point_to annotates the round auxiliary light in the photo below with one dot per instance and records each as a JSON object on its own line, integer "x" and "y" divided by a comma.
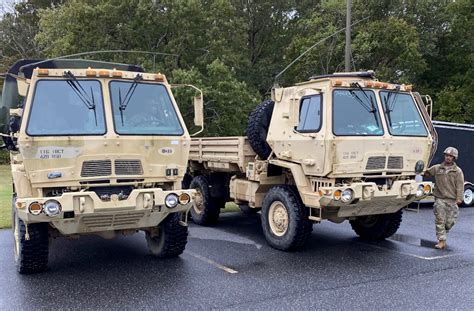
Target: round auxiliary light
{"x": 347, "y": 195}
{"x": 52, "y": 208}
{"x": 35, "y": 208}
{"x": 171, "y": 200}
{"x": 184, "y": 198}
{"x": 420, "y": 191}
{"x": 427, "y": 189}
{"x": 337, "y": 195}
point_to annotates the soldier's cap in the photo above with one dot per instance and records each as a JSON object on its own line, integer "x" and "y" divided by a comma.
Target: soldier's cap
{"x": 451, "y": 151}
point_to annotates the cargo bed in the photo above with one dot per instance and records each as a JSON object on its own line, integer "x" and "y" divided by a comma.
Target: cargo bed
{"x": 225, "y": 154}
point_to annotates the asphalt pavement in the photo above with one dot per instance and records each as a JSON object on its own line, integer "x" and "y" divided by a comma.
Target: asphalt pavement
{"x": 230, "y": 266}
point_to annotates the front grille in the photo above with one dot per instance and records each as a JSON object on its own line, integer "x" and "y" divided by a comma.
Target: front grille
{"x": 128, "y": 167}
{"x": 96, "y": 168}
{"x": 101, "y": 222}
{"x": 395, "y": 163}
{"x": 376, "y": 163}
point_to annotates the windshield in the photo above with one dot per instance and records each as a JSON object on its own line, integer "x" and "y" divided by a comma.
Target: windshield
{"x": 355, "y": 112}
{"x": 403, "y": 119}
{"x": 147, "y": 110}
{"x": 57, "y": 109}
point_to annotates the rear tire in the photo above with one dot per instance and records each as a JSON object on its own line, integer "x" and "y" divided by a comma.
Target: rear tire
{"x": 206, "y": 209}
{"x": 377, "y": 227}
{"x": 171, "y": 238}
{"x": 284, "y": 219}
{"x": 468, "y": 197}
{"x": 257, "y": 128}
{"x": 31, "y": 256}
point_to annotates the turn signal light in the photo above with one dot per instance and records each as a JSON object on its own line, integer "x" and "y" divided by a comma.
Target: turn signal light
{"x": 116, "y": 74}
{"x": 337, "y": 195}
{"x": 159, "y": 77}
{"x": 43, "y": 72}
{"x": 426, "y": 189}
{"x": 90, "y": 72}
{"x": 103, "y": 73}
{"x": 184, "y": 198}
{"x": 35, "y": 208}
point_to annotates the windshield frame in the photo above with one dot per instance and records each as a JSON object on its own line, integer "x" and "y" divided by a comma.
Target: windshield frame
{"x": 173, "y": 105}
{"x": 31, "y": 103}
{"x": 367, "y": 90}
{"x": 394, "y": 93}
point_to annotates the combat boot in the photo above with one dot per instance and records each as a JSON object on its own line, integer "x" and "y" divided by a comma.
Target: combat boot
{"x": 441, "y": 244}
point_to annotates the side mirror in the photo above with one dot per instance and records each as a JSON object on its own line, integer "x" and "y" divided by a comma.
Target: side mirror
{"x": 419, "y": 167}
{"x": 198, "y": 111}
{"x": 198, "y": 102}
{"x": 23, "y": 86}
{"x": 14, "y": 124}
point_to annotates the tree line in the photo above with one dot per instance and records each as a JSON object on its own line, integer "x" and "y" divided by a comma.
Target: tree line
{"x": 233, "y": 49}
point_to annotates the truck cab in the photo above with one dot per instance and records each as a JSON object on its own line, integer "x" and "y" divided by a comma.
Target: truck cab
{"x": 96, "y": 148}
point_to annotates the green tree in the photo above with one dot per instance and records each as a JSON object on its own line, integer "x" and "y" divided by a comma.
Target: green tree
{"x": 227, "y": 101}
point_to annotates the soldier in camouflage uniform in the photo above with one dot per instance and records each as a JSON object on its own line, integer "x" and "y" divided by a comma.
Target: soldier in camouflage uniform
{"x": 448, "y": 193}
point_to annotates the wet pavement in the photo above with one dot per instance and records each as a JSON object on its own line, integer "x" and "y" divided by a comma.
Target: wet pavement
{"x": 230, "y": 266}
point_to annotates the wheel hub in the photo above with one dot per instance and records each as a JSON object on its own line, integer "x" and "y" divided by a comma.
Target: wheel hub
{"x": 278, "y": 218}
{"x": 468, "y": 196}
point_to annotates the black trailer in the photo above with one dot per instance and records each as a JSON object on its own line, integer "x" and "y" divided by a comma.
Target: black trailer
{"x": 460, "y": 136}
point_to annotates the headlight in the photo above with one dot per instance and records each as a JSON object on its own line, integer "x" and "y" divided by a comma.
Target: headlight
{"x": 184, "y": 198}
{"x": 52, "y": 208}
{"x": 427, "y": 189}
{"x": 171, "y": 200}
{"x": 347, "y": 195}
{"x": 35, "y": 208}
{"x": 419, "y": 192}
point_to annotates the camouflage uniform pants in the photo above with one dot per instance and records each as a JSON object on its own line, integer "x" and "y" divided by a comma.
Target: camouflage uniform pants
{"x": 446, "y": 214}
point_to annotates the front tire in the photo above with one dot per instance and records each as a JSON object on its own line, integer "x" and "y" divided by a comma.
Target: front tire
{"x": 377, "y": 227}
{"x": 31, "y": 256}
{"x": 206, "y": 209}
{"x": 284, "y": 219}
{"x": 170, "y": 238}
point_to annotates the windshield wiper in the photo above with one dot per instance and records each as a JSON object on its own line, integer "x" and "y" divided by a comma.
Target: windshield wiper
{"x": 371, "y": 108}
{"x": 124, "y": 103}
{"x": 389, "y": 108}
{"x": 81, "y": 93}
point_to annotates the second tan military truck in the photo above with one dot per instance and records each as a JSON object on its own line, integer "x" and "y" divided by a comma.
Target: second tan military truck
{"x": 337, "y": 147}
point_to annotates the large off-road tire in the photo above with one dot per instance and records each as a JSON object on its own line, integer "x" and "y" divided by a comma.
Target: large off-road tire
{"x": 284, "y": 219}
{"x": 377, "y": 227}
{"x": 205, "y": 210}
{"x": 257, "y": 128}
{"x": 170, "y": 239}
{"x": 31, "y": 255}
{"x": 468, "y": 197}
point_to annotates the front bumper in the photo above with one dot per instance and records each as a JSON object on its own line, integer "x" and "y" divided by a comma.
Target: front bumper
{"x": 85, "y": 212}
{"x": 369, "y": 199}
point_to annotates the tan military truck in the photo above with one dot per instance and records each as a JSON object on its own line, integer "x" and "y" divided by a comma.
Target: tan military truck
{"x": 96, "y": 148}
{"x": 338, "y": 147}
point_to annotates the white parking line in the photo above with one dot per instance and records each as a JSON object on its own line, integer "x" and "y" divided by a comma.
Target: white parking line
{"x": 414, "y": 255}
{"x": 212, "y": 262}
